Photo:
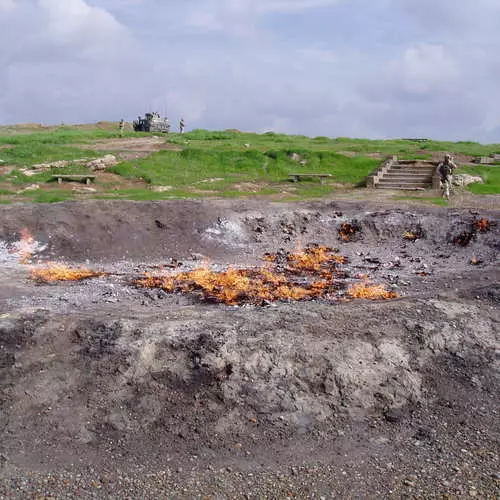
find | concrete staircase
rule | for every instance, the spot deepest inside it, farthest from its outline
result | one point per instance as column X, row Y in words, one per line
column 403, row 175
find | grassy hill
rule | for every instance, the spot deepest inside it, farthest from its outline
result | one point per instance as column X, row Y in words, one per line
column 205, row 163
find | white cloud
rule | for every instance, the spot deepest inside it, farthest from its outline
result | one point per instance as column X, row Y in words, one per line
column 6, row 5
column 241, row 17
column 68, row 64
column 426, row 68
column 413, row 67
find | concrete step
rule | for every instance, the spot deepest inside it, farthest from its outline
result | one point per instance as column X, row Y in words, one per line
column 411, row 169
column 404, row 175
column 413, row 165
column 402, row 188
column 410, row 174
column 402, row 184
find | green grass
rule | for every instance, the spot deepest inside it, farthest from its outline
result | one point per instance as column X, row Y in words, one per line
column 49, row 196
column 191, row 167
column 228, row 139
column 221, row 163
column 491, row 178
column 141, row 194
column 17, row 178
column 42, row 147
column 62, row 136
column 30, row 154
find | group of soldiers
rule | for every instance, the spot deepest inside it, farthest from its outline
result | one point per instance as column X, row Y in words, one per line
column 121, row 125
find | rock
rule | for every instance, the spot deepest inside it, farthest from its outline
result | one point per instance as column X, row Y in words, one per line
column 295, row 157
column 53, row 164
column 84, row 190
column 161, row 189
column 102, row 163
column 198, row 256
column 32, row 187
column 466, row 179
column 28, row 172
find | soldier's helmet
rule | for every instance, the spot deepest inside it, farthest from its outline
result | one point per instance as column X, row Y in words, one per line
column 447, row 156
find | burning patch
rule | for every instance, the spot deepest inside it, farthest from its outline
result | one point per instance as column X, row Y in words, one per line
column 26, row 247
column 236, row 286
column 320, row 259
column 59, row 272
column 368, row 291
column 414, row 234
column 297, row 276
column 476, row 226
column 464, row 238
column 348, row 230
column 482, row 225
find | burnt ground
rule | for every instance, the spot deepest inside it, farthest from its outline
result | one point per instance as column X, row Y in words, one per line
column 111, row 391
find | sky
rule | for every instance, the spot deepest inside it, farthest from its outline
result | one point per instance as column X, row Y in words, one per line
column 350, row 68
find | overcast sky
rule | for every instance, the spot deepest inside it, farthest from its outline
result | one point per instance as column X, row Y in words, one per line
column 357, row 68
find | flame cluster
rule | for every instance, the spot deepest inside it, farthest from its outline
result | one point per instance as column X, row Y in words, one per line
column 24, row 248
column 368, row 291
column 477, row 226
column 464, row 238
column 60, row 272
column 304, row 276
column 235, row 286
column 348, row 229
column 413, row 235
column 318, row 259
column 482, row 225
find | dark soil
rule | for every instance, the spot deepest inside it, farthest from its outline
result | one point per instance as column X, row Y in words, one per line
column 111, row 391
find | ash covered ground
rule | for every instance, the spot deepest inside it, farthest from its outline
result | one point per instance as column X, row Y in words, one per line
column 114, row 391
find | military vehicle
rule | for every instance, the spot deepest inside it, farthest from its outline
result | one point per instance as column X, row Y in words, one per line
column 151, row 123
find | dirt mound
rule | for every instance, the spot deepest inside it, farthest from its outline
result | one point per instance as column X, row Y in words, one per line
column 99, row 371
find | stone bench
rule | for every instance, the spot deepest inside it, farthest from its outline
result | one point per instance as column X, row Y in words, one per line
column 87, row 178
column 321, row 177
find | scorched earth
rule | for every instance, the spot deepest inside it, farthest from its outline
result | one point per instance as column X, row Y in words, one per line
column 216, row 349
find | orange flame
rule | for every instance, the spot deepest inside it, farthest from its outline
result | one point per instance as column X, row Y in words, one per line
column 348, row 230
column 367, row 291
column 306, row 275
column 313, row 259
column 410, row 236
column 60, row 272
column 25, row 246
column 234, row 286
column 482, row 225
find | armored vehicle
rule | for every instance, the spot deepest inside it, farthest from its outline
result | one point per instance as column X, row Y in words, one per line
column 151, row 123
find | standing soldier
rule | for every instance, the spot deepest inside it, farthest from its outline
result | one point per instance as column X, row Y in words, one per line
column 445, row 171
column 121, row 127
column 182, row 126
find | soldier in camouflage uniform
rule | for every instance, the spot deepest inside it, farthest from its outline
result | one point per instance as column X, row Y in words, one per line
column 182, row 126
column 121, row 126
column 445, row 171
